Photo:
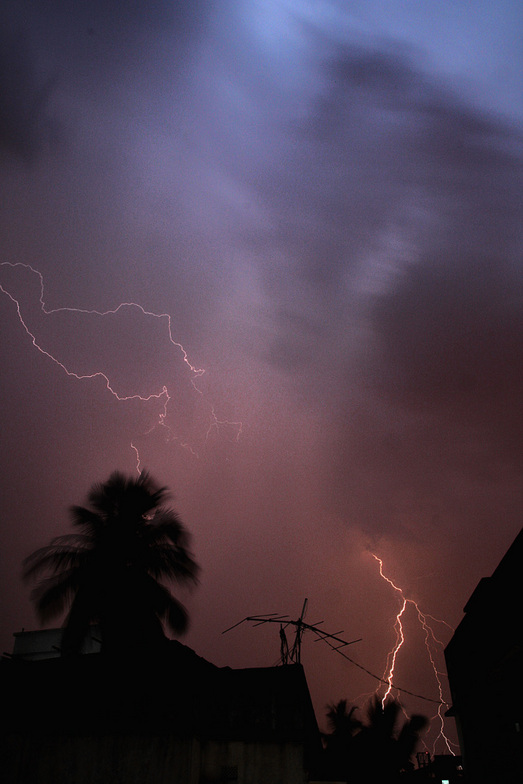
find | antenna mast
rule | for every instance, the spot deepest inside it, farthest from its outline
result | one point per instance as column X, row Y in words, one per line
column 292, row 655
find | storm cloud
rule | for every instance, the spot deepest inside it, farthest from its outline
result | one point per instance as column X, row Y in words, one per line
column 332, row 224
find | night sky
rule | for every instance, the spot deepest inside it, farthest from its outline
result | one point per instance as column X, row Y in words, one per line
column 326, row 199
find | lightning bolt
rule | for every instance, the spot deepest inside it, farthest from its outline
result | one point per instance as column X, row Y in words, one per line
column 217, row 423
column 432, row 643
column 162, row 395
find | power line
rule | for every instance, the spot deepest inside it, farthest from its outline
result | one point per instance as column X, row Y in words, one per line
column 380, row 679
column 293, row 654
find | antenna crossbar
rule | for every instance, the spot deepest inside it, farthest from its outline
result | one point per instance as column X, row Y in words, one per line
column 292, row 654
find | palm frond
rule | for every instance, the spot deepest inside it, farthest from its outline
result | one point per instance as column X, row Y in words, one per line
column 79, row 540
column 121, row 495
column 166, row 525
column 84, row 610
column 53, row 595
column 167, row 607
column 177, row 617
column 172, row 563
column 85, row 518
column 341, row 719
column 63, row 553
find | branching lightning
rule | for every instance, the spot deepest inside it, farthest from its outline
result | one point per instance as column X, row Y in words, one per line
column 217, row 423
column 431, row 643
column 163, row 395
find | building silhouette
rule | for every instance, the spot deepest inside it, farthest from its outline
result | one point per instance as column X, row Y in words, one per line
column 485, row 666
column 166, row 716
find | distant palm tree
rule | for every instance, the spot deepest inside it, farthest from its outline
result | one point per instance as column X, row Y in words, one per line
column 112, row 571
column 384, row 747
column 376, row 750
column 341, row 720
column 343, row 726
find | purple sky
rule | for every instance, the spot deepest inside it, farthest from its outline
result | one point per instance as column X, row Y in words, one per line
column 326, row 199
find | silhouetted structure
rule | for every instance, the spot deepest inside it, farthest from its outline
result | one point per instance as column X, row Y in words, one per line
column 168, row 716
column 484, row 663
column 47, row 643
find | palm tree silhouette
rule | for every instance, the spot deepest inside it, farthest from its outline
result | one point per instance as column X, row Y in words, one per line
column 384, row 748
column 341, row 719
column 343, row 726
column 112, row 571
column 378, row 749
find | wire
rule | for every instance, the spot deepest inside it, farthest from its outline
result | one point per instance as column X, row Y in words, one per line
column 321, row 635
column 382, row 680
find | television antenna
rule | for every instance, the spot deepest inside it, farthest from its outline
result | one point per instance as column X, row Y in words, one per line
column 291, row 654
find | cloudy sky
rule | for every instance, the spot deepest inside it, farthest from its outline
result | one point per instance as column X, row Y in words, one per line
column 317, row 205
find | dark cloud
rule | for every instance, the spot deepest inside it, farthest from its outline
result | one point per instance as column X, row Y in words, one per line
column 451, row 329
column 394, row 159
column 397, row 290
column 335, row 232
column 57, row 63
column 26, row 120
